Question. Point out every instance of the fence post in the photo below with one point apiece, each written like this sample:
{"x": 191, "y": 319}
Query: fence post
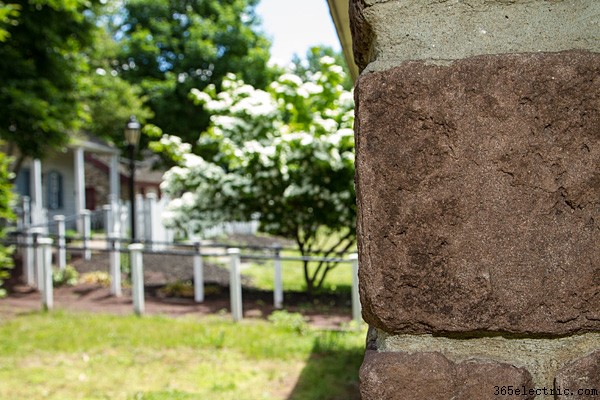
{"x": 140, "y": 218}
{"x": 124, "y": 215}
{"x": 23, "y": 227}
{"x": 87, "y": 253}
{"x": 356, "y": 307}
{"x": 29, "y": 261}
{"x": 116, "y": 214}
{"x": 198, "y": 274}
{"x": 39, "y": 261}
{"x": 108, "y": 223}
{"x": 46, "y": 286}
{"x": 152, "y": 219}
{"x": 61, "y": 242}
{"x": 137, "y": 277}
{"x": 278, "y": 291}
{"x": 115, "y": 264}
{"x": 235, "y": 285}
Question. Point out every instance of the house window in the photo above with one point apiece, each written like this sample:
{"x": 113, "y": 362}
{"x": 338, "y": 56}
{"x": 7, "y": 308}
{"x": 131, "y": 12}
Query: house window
{"x": 55, "y": 190}
{"x": 23, "y": 182}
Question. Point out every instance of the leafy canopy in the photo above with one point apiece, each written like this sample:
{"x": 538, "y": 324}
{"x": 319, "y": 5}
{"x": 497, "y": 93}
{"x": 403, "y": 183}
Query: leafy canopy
{"x": 57, "y": 67}
{"x": 169, "y": 47}
{"x": 108, "y": 99}
{"x": 40, "y": 62}
{"x": 284, "y": 155}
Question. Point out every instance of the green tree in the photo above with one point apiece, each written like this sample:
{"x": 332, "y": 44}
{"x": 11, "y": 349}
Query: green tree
{"x": 6, "y": 215}
{"x": 284, "y": 155}
{"x": 8, "y": 16}
{"x": 108, "y": 99}
{"x": 40, "y": 63}
{"x": 311, "y": 62}
{"x": 171, "y": 46}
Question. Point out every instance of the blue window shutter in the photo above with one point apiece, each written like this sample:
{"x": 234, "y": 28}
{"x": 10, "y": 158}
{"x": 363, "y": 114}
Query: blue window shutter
{"x": 23, "y": 182}
{"x": 55, "y": 190}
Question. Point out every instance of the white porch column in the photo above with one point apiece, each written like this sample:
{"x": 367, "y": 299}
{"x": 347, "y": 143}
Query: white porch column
{"x": 36, "y": 193}
{"x": 79, "y": 187}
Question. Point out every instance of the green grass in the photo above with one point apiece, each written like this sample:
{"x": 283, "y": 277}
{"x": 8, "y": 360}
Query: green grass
{"x": 88, "y": 356}
{"x": 263, "y": 275}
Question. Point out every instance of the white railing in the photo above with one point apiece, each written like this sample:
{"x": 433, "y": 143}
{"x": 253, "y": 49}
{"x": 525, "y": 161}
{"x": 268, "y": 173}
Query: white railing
{"x": 114, "y": 219}
{"x": 38, "y": 259}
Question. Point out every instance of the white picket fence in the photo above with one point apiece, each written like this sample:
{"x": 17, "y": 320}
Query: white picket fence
{"x": 114, "y": 220}
{"x": 37, "y": 251}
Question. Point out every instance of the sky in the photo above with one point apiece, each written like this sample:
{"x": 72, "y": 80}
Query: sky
{"x": 296, "y": 25}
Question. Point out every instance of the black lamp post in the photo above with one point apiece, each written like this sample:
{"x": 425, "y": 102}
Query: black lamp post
{"x": 132, "y": 136}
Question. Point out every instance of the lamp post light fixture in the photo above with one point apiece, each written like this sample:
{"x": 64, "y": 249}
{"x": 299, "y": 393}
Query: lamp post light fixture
{"x": 132, "y": 136}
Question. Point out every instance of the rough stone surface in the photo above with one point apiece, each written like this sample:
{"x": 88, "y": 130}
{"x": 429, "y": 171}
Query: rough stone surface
{"x": 386, "y": 33}
{"x": 362, "y": 35}
{"x": 478, "y": 187}
{"x": 580, "y": 378}
{"x": 541, "y": 357}
{"x": 401, "y": 376}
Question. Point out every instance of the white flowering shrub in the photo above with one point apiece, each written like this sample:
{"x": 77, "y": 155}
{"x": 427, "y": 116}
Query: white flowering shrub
{"x": 284, "y": 155}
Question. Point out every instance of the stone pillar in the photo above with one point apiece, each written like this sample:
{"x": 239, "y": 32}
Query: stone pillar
{"x": 478, "y": 186}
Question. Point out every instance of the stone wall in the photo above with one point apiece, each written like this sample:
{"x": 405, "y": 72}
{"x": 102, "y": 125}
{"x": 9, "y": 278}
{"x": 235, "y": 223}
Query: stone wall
{"x": 478, "y": 182}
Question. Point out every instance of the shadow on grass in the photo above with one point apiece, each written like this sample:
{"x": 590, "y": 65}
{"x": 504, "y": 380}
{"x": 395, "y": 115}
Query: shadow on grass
{"x": 331, "y": 371}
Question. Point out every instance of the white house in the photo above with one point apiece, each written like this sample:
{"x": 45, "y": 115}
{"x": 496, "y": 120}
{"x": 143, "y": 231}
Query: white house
{"x": 57, "y": 185}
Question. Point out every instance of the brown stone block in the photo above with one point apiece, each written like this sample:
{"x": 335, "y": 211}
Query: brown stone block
{"x": 579, "y": 379}
{"x": 478, "y": 186}
{"x": 402, "y": 376}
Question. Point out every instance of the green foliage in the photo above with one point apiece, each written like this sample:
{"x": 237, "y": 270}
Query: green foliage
{"x": 8, "y": 16}
{"x": 71, "y": 234}
{"x": 96, "y": 278}
{"x": 284, "y": 155}
{"x": 108, "y": 99}
{"x": 57, "y": 66}
{"x": 338, "y": 280}
{"x": 178, "y": 289}
{"x": 6, "y": 215}
{"x": 169, "y": 47}
{"x": 40, "y": 63}
{"x": 65, "y": 277}
{"x": 294, "y": 322}
{"x": 304, "y": 67}
{"x": 125, "y": 262}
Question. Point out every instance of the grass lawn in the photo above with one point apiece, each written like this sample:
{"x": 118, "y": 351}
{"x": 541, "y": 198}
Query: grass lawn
{"x": 339, "y": 279}
{"x": 262, "y": 272}
{"x": 67, "y": 356}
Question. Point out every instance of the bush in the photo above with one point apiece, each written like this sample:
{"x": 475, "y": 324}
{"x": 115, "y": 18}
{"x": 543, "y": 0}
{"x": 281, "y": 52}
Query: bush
{"x": 293, "y": 322}
{"x": 96, "y": 278}
{"x": 6, "y": 216}
{"x": 6, "y": 263}
{"x": 65, "y": 277}
{"x": 178, "y": 289}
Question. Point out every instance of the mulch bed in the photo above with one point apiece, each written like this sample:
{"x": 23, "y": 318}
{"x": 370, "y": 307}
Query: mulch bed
{"x": 325, "y": 311}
